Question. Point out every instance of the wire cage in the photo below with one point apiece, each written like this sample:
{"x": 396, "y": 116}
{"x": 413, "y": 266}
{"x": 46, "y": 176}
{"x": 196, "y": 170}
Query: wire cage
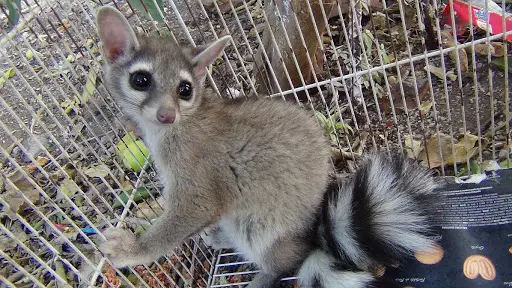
{"x": 425, "y": 78}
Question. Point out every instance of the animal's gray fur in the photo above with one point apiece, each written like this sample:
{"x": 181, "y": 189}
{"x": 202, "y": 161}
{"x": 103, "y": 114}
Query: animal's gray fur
{"x": 256, "y": 170}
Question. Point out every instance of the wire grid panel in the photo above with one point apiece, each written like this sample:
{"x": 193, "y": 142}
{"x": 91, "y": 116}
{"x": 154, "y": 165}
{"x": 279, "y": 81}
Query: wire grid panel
{"x": 377, "y": 75}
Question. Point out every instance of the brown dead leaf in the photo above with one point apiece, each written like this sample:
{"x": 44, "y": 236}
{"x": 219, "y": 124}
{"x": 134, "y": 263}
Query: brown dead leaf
{"x": 235, "y": 279}
{"x": 16, "y": 201}
{"x": 150, "y": 209}
{"x": 64, "y": 27}
{"x": 445, "y": 148}
{"x": 40, "y": 162}
{"x": 101, "y": 170}
{"x": 439, "y": 73}
{"x": 256, "y": 30}
{"x": 483, "y": 49}
{"x": 449, "y": 41}
{"x": 413, "y": 147}
{"x": 409, "y": 94}
{"x": 463, "y": 60}
{"x": 499, "y": 49}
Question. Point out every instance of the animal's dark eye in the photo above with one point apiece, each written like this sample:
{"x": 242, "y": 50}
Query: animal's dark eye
{"x": 185, "y": 90}
{"x": 140, "y": 80}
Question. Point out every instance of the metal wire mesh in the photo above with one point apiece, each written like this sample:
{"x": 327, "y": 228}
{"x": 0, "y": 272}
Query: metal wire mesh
{"x": 387, "y": 75}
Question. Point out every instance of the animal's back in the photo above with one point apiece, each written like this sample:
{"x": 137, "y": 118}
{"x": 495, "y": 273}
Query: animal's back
{"x": 270, "y": 140}
{"x": 279, "y": 158}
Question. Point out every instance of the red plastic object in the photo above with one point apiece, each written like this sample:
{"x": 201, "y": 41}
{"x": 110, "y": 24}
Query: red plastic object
{"x": 462, "y": 18}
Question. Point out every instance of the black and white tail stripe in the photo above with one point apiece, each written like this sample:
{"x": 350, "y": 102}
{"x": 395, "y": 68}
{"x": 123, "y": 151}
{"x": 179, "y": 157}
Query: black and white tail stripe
{"x": 376, "y": 218}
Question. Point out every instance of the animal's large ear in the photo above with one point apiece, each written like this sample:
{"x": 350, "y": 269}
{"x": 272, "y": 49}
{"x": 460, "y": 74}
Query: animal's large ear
{"x": 206, "y": 55}
{"x": 115, "y": 33}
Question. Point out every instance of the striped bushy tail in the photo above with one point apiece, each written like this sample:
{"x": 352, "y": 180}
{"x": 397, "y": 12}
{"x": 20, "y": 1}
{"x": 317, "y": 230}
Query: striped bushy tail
{"x": 374, "y": 219}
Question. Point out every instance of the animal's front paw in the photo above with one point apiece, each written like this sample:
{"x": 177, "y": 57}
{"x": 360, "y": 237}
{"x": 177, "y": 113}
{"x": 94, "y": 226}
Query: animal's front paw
{"x": 131, "y": 125}
{"x": 121, "y": 248}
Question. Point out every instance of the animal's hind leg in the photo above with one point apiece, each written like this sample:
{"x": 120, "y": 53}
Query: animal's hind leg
{"x": 283, "y": 259}
{"x": 216, "y": 238}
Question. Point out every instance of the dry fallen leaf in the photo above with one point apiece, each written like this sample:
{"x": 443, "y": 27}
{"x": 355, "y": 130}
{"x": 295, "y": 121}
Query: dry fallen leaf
{"x": 449, "y": 41}
{"x": 150, "y": 209}
{"x": 463, "y": 60}
{"x": 40, "y": 161}
{"x": 68, "y": 187}
{"x": 256, "y": 30}
{"x": 439, "y": 73}
{"x": 499, "y": 49}
{"x": 16, "y": 201}
{"x": 97, "y": 171}
{"x": 483, "y": 49}
{"x": 64, "y": 27}
{"x": 425, "y": 107}
{"x": 445, "y": 148}
{"x": 90, "y": 85}
{"x": 413, "y": 147}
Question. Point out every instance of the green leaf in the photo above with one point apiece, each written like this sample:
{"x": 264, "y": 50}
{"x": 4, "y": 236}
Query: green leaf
{"x": 71, "y": 58}
{"x": 151, "y": 8}
{"x": 97, "y": 171}
{"x": 344, "y": 127}
{"x": 68, "y": 187}
{"x": 500, "y": 63}
{"x": 334, "y": 139}
{"x": 478, "y": 168}
{"x": 322, "y": 118}
{"x": 69, "y": 106}
{"x": 506, "y": 163}
{"x": 9, "y": 73}
{"x": 474, "y": 166}
{"x": 61, "y": 271}
{"x": 29, "y": 54}
{"x": 60, "y": 217}
{"x": 70, "y": 170}
{"x": 425, "y": 107}
{"x": 376, "y": 77}
{"x": 13, "y": 6}
{"x": 141, "y": 229}
{"x": 368, "y": 41}
{"x": 140, "y": 194}
{"x": 385, "y": 57}
{"x": 463, "y": 171}
{"x": 90, "y": 85}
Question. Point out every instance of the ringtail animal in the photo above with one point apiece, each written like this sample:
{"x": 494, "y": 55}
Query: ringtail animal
{"x": 257, "y": 170}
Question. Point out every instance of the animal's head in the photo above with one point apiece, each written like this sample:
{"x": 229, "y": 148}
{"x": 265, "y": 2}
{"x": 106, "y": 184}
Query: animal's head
{"x": 152, "y": 78}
